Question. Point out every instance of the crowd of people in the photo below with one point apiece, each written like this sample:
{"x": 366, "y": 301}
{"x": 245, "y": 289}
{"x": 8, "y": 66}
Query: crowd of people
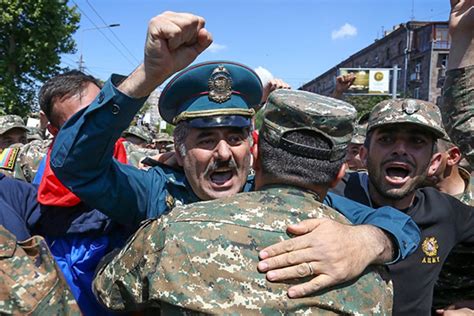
{"x": 318, "y": 211}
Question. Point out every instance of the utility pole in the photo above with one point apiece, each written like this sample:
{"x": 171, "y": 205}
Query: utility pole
{"x": 80, "y": 62}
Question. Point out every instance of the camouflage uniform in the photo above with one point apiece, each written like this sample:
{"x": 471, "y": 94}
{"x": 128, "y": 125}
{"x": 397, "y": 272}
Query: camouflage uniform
{"x": 138, "y": 132}
{"x": 164, "y": 142}
{"x": 456, "y": 280}
{"x": 359, "y": 134}
{"x": 136, "y": 153}
{"x": 8, "y": 122}
{"x": 30, "y": 281}
{"x": 34, "y": 133}
{"x": 203, "y": 257}
{"x": 22, "y": 161}
{"x": 467, "y": 197}
{"x": 458, "y": 109}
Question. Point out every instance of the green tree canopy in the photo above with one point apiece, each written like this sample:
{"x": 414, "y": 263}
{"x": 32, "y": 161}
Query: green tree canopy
{"x": 365, "y": 103}
{"x": 33, "y": 34}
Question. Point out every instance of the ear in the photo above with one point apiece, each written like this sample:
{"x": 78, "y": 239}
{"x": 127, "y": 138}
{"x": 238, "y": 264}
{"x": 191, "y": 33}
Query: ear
{"x": 254, "y": 153}
{"x": 363, "y": 154}
{"x": 339, "y": 176}
{"x": 434, "y": 164}
{"x": 454, "y": 156}
{"x": 43, "y": 120}
{"x": 177, "y": 154}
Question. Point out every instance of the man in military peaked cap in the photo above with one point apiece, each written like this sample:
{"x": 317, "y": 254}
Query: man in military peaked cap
{"x": 211, "y": 105}
{"x": 12, "y": 131}
{"x": 202, "y": 257}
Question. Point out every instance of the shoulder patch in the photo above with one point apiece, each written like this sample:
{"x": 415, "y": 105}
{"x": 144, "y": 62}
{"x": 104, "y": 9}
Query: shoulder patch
{"x": 8, "y": 158}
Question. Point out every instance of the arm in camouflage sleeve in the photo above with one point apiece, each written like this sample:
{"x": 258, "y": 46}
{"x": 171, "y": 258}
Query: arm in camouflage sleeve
{"x": 458, "y": 104}
{"x": 119, "y": 284}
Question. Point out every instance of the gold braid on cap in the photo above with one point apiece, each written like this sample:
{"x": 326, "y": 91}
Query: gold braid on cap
{"x": 206, "y": 113}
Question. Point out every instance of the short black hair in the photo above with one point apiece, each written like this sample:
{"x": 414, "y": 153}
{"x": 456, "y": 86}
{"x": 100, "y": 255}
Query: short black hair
{"x": 294, "y": 169}
{"x": 66, "y": 84}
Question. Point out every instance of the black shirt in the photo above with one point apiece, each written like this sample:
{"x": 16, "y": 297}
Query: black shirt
{"x": 444, "y": 222}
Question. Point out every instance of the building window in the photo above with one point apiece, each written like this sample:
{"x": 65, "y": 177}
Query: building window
{"x": 400, "y": 48}
{"x": 443, "y": 60}
{"x": 416, "y": 93}
{"x": 418, "y": 67}
{"x": 375, "y": 61}
{"x": 441, "y": 37}
{"x": 387, "y": 53}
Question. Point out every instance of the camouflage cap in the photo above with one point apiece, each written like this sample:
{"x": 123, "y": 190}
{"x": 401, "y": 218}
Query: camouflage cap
{"x": 163, "y": 137}
{"x": 397, "y": 111}
{"x": 138, "y": 132}
{"x": 293, "y": 110}
{"x": 360, "y": 132}
{"x": 9, "y": 122}
{"x": 34, "y": 133}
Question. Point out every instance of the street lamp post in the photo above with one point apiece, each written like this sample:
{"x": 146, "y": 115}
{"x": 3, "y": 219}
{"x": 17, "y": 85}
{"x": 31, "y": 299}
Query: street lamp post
{"x": 81, "y": 58}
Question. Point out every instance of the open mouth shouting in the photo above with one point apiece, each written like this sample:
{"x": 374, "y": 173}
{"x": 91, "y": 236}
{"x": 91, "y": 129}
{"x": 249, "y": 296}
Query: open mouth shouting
{"x": 397, "y": 173}
{"x": 222, "y": 177}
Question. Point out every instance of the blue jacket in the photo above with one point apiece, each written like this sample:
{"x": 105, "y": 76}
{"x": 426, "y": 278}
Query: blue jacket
{"x": 82, "y": 159}
{"x": 18, "y": 205}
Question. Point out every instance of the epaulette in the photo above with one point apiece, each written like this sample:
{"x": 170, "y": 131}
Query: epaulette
{"x": 8, "y": 158}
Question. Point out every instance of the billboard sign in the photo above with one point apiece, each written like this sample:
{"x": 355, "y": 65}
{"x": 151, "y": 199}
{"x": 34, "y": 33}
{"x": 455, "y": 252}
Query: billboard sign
{"x": 368, "y": 80}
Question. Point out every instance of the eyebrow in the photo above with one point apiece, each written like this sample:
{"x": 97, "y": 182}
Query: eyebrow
{"x": 203, "y": 134}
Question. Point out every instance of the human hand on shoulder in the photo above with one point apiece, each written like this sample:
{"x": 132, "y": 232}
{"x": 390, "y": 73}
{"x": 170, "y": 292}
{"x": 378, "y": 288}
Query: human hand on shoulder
{"x": 333, "y": 252}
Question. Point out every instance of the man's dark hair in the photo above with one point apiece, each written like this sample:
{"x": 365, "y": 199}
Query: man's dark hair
{"x": 297, "y": 170}
{"x": 64, "y": 85}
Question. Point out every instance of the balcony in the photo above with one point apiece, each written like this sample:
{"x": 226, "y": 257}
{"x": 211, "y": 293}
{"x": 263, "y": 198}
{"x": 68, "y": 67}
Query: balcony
{"x": 441, "y": 45}
{"x": 415, "y": 77}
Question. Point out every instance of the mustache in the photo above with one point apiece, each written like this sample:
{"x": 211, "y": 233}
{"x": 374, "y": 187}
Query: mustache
{"x": 217, "y": 164}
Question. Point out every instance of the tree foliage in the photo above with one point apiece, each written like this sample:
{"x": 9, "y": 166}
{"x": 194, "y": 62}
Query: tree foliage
{"x": 33, "y": 34}
{"x": 365, "y": 103}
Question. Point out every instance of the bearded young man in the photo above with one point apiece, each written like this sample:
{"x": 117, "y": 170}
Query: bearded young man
{"x": 401, "y": 139}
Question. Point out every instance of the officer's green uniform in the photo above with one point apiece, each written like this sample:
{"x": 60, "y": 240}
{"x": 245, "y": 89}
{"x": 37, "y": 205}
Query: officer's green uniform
{"x": 203, "y": 257}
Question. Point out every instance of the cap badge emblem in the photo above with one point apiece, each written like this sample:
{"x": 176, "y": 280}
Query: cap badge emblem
{"x": 410, "y": 107}
{"x": 220, "y": 85}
